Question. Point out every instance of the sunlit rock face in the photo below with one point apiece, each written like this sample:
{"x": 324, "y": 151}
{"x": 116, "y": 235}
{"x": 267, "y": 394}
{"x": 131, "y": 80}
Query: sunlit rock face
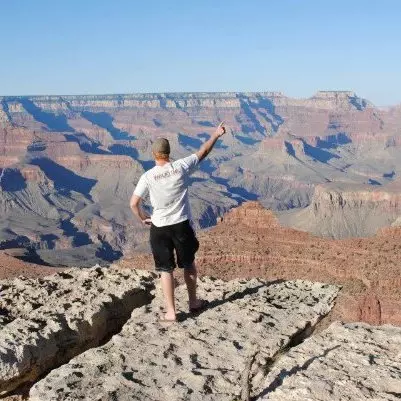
{"x": 96, "y": 333}
{"x": 359, "y": 362}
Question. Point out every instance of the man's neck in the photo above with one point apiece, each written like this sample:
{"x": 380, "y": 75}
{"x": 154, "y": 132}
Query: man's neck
{"x": 161, "y": 162}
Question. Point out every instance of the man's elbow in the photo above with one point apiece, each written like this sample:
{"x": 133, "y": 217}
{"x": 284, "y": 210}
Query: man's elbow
{"x": 134, "y": 202}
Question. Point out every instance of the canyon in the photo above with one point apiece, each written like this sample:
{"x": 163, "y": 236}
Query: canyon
{"x": 328, "y": 164}
{"x": 298, "y": 214}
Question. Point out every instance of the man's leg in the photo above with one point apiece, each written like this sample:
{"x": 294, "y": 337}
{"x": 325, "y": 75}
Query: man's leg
{"x": 190, "y": 276}
{"x": 186, "y": 245}
{"x": 163, "y": 254}
{"x": 167, "y": 280}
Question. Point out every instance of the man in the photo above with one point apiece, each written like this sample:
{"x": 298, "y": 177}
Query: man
{"x": 167, "y": 184}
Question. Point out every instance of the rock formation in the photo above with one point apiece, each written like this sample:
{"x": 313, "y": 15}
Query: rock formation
{"x": 254, "y": 340}
{"x": 345, "y": 362}
{"x": 341, "y": 211}
{"x": 202, "y": 357}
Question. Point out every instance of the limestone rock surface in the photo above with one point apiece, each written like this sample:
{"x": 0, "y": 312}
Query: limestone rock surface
{"x": 46, "y": 321}
{"x": 353, "y": 362}
{"x": 219, "y": 354}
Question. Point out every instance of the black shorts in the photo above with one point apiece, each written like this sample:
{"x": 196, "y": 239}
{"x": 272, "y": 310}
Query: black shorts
{"x": 164, "y": 240}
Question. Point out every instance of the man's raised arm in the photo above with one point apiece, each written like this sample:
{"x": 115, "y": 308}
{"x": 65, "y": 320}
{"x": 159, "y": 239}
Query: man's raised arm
{"x": 208, "y": 145}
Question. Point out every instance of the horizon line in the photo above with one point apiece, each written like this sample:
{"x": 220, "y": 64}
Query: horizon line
{"x": 197, "y": 92}
{"x": 271, "y": 92}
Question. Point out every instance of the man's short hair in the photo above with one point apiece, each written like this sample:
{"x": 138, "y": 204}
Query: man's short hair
{"x": 161, "y": 146}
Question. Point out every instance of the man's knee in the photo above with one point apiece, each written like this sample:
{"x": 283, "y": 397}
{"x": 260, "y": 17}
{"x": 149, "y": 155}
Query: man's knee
{"x": 190, "y": 271}
{"x": 166, "y": 274}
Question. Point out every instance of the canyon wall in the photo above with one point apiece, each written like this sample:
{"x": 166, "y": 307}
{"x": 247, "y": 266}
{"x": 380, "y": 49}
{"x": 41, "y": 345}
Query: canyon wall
{"x": 348, "y": 210}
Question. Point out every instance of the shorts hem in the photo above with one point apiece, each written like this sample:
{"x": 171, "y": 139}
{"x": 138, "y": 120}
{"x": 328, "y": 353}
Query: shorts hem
{"x": 161, "y": 269}
{"x": 186, "y": 265}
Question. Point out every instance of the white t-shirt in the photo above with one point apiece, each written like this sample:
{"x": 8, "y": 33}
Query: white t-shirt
{"x": 168, "y": 190}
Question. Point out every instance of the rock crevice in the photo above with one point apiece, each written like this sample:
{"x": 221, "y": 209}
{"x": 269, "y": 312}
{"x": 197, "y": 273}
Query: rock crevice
{"x": 353, "y": 361}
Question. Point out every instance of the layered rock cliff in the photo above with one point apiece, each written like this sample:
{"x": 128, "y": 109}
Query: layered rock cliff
{"x": 347, "y": 210}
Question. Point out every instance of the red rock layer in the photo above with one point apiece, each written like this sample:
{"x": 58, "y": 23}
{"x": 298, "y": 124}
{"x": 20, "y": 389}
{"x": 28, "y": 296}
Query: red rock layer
{"x": 12, "y": 267}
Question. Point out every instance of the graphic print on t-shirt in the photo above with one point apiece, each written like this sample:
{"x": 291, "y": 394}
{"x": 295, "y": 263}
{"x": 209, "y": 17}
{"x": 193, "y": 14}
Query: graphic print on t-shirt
{"x": 166, "y": 174}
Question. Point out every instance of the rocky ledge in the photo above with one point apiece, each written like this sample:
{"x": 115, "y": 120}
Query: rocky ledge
{"x": 94, "y": 335}
{"x": 202, "y": 357}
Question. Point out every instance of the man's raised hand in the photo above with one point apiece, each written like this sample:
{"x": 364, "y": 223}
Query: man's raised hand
{"x": 220, "y": 130}
{"x": 208, "y": 145}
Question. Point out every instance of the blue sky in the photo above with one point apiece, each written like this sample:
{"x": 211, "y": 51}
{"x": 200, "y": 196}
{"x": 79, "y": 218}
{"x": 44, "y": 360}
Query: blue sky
{"x": 123, "y": 46}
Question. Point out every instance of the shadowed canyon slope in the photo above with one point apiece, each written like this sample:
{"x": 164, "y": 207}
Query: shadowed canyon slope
{"x": 69, "y": 164}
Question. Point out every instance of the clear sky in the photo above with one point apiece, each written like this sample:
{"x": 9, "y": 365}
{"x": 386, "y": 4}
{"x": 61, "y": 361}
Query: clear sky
{"x": 124, "y": 46}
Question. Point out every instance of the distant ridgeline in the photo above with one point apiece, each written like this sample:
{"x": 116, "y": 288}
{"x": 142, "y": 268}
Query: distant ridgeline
{"x": 179, "y": 100}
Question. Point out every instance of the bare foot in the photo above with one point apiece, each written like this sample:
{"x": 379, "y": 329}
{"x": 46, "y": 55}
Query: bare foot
{"x": 197, "y": 304}
{"x": 170, "y": 316}
{"x": 200, "y": 305}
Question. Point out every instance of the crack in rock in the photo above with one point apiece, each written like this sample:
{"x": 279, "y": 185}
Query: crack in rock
{"x": 60, "y": 316}
{"x": 202, "y": 357}
{"x": 346, "y": 361}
